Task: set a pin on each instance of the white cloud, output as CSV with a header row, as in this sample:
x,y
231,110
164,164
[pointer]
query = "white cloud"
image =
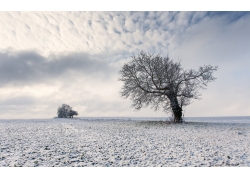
x,y
92,32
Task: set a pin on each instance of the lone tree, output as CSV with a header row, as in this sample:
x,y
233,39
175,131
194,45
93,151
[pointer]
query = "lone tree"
x,y
65,111
161,82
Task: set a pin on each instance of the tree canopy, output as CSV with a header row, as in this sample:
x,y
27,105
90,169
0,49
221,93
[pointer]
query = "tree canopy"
x,y
65,111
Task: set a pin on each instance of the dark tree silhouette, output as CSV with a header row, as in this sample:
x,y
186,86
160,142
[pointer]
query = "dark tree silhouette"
x,y
65,111
72,113
161,82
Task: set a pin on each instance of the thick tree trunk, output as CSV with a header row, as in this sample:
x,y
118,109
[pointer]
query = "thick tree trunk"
x,y
177,110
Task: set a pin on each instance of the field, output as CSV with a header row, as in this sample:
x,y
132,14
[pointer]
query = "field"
x,y
124,142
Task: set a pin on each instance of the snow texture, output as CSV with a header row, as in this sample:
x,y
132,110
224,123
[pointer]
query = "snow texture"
x,y
125,142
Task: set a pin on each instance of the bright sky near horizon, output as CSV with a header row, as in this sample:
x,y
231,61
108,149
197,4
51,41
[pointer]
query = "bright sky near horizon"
x,y
51,58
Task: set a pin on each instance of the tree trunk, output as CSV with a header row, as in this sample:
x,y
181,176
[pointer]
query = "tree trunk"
x,y
177,110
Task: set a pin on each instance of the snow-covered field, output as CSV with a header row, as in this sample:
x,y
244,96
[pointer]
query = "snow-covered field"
x,y
125,142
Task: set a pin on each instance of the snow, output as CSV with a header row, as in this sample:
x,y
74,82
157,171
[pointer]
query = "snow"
x,y
126,142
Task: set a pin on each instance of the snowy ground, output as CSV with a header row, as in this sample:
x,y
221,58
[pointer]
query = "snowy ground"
x,y
123,142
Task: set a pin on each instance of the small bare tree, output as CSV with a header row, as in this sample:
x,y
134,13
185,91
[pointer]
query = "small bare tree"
x,y
161,82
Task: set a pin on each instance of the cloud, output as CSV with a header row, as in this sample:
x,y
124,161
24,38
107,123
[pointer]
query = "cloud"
x,y
17,101
92,32
214,40
22,68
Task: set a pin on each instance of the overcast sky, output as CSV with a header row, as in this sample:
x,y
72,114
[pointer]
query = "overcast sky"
x,y
51,58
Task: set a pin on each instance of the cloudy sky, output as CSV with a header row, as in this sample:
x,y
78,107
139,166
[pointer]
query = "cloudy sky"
x,y
51,58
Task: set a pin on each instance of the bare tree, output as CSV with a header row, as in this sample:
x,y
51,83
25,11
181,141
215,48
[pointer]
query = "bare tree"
x,y
162,83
